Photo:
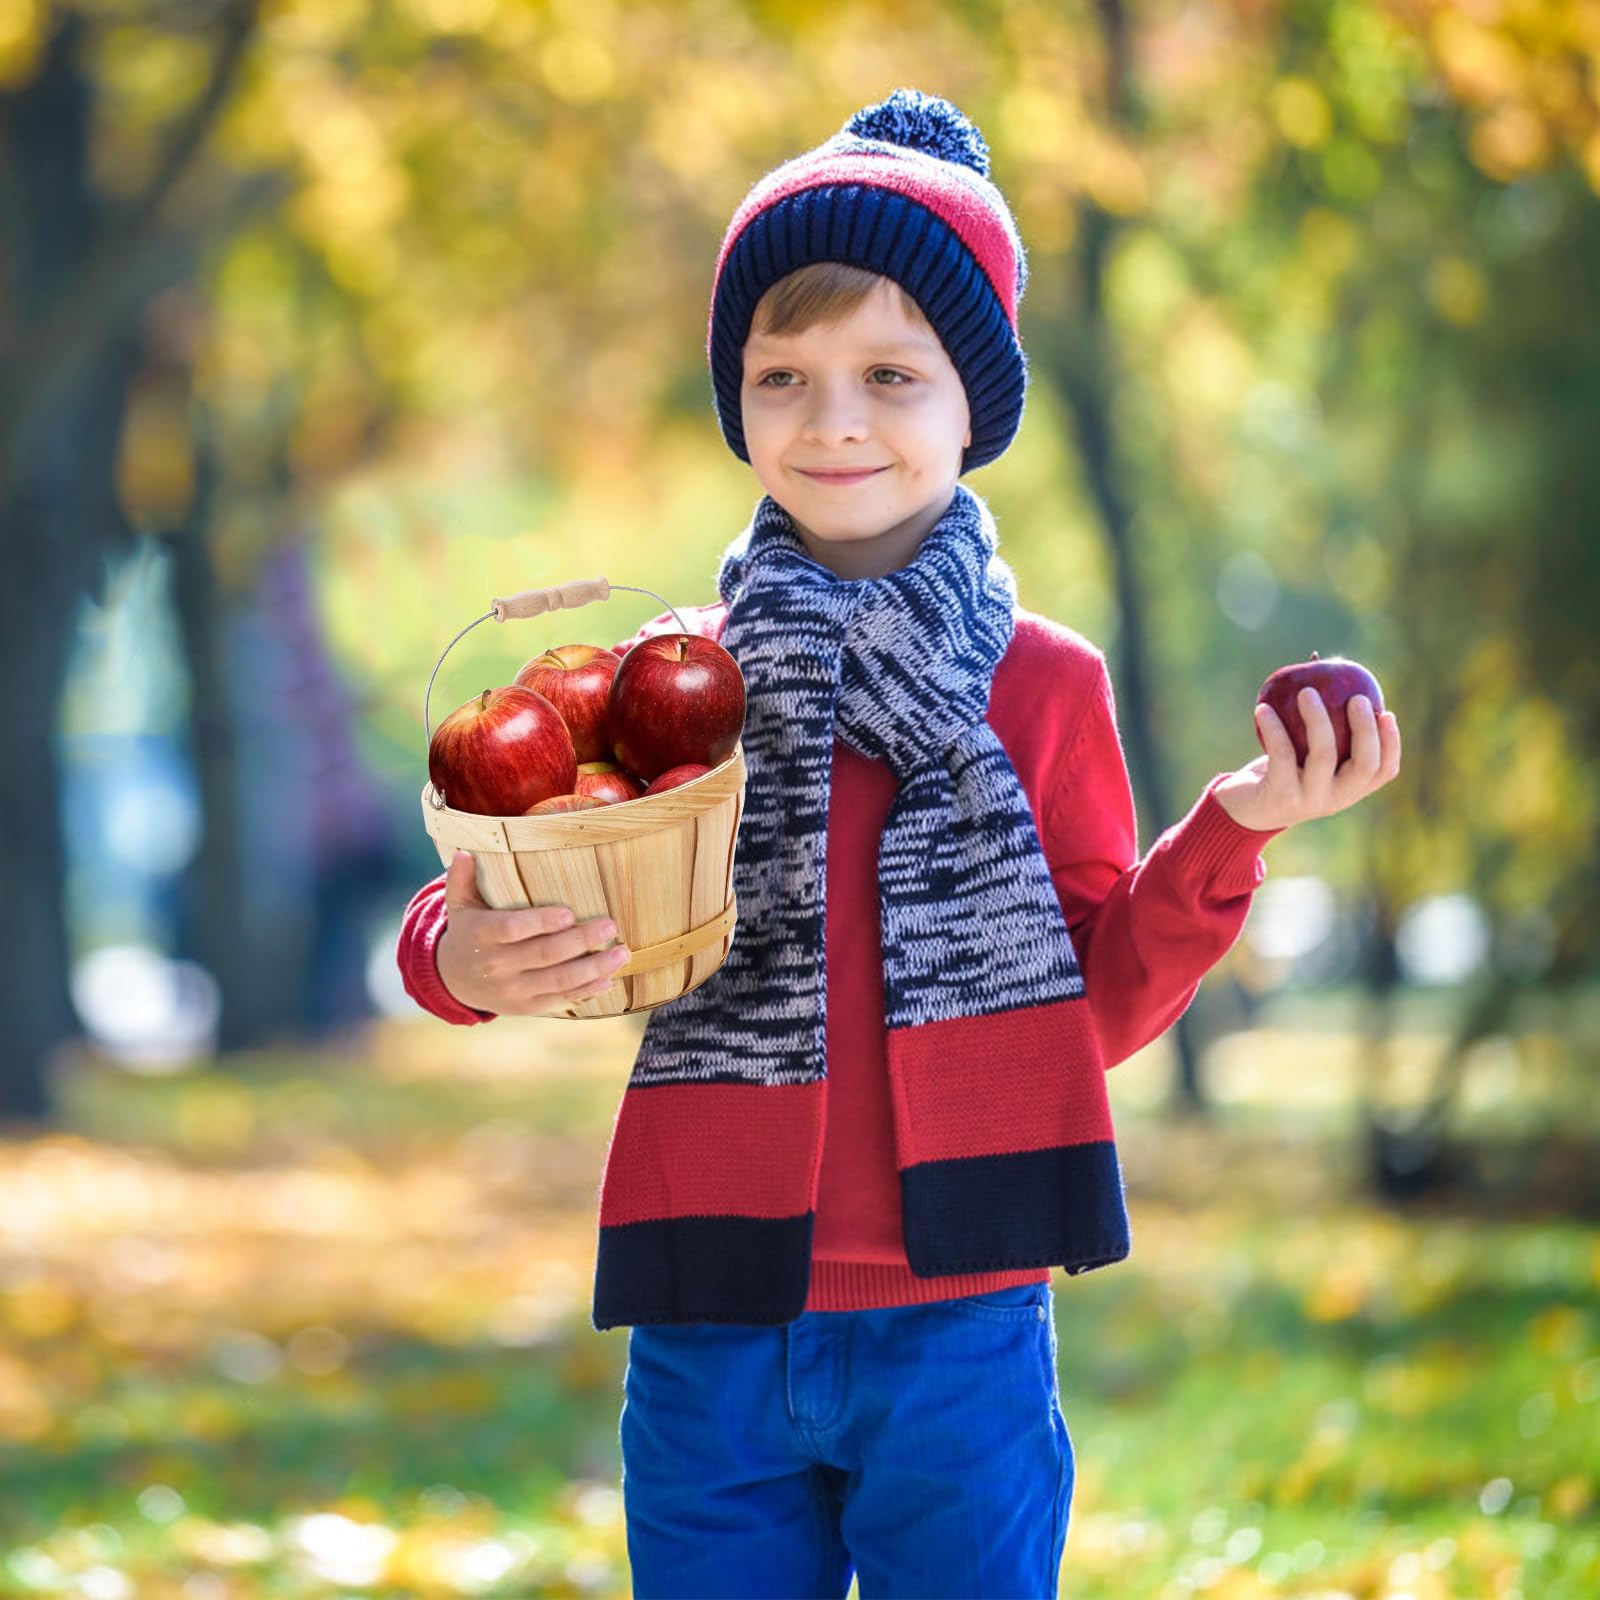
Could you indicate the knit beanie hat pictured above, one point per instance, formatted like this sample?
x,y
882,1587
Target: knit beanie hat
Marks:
x,y
902,189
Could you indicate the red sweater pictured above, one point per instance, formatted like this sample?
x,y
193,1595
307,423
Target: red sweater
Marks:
x,y
1145,932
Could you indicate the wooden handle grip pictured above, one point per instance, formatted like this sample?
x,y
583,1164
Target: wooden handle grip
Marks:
x,y
565,596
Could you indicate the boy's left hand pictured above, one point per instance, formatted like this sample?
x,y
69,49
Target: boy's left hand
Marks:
x,y
1275,791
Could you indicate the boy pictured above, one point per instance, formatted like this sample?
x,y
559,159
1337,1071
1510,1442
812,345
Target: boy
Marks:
x,y
846,1163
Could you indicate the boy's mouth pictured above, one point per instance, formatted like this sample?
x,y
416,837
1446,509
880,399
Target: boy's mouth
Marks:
x,y
841,477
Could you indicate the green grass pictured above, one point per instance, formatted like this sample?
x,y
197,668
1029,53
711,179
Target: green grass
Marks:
x,y
304,1327
1371,1385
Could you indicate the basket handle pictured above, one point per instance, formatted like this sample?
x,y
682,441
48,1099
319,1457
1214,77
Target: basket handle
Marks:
x,y
533,603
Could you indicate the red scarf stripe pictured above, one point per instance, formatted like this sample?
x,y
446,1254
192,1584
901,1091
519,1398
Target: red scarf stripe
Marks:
x,y
1028,1079
713,1149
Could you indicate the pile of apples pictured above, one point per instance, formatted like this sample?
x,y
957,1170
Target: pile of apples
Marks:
x,y
581,726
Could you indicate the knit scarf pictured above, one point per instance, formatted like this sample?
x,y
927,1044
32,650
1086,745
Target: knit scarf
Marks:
x,y
898,668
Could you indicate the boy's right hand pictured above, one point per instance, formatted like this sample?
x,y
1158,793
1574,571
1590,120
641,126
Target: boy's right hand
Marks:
x,y
529,962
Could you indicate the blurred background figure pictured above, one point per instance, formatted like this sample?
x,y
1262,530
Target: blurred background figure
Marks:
x,y
346,847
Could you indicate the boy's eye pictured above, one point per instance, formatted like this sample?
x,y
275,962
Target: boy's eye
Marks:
x,y
773,379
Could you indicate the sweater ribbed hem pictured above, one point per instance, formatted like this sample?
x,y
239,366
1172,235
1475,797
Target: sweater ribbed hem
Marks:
x,y
1223,855
869,1285
421,974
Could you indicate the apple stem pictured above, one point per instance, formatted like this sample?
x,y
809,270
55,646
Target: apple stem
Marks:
x,y
483,699
1315,656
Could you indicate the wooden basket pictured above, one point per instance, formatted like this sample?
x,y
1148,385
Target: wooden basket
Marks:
x,y
660,867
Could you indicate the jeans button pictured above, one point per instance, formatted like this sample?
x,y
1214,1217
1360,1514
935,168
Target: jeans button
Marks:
x,y
1041,1313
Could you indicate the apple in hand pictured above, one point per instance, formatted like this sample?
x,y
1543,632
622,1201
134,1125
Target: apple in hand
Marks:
x,y
673,776
1335,679
563,802
576,680
676,698
607,782
502,751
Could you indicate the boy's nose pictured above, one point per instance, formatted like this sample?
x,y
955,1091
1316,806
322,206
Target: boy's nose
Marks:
x,y
836,416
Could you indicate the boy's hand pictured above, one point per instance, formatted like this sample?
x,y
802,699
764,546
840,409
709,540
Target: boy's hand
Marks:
x,y
1274,791
529,962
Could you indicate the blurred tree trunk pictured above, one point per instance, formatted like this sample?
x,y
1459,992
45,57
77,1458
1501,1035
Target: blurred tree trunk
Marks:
x,y
1074,349
76,273
58,512
38,594
215,930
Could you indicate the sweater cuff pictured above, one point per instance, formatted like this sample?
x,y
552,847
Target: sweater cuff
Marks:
x,y
428,988
1222,854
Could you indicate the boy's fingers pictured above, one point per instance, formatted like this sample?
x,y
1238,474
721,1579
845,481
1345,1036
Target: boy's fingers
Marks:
x,y
461,882
1274,735
1365,740
513,927
566,976
1320,742
1389,738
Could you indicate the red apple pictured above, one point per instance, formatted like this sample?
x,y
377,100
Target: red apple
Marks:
x,y
576,680
503,751
1336,680
676,698
673,776
564,802
607,782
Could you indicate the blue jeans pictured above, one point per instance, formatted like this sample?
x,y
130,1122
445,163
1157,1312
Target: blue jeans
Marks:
x,y
921,1447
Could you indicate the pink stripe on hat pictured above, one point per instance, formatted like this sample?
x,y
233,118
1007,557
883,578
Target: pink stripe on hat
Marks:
x,y
951,193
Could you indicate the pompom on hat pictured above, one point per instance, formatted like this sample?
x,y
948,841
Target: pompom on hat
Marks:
x,y
903,190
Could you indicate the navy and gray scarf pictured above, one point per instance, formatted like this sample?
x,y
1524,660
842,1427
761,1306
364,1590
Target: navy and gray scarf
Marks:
x,y
898,668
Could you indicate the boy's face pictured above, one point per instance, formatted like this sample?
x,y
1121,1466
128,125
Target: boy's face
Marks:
x,y
874,391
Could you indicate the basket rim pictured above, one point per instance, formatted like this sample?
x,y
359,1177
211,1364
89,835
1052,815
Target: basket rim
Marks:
x,y
598,825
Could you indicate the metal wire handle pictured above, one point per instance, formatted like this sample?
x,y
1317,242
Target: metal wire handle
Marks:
x,y
532,603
